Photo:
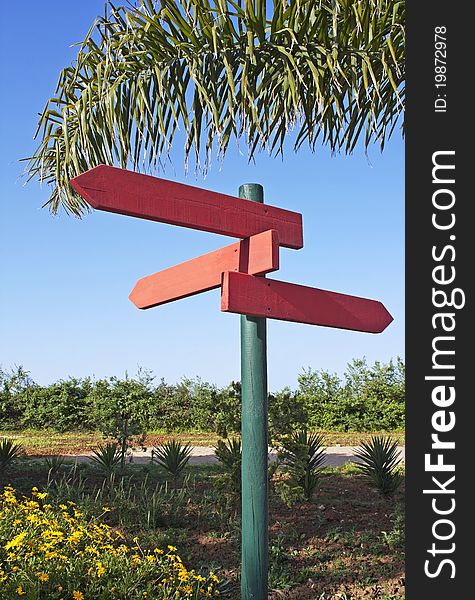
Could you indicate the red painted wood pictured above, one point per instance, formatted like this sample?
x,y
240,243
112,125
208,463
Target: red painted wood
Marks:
x,y
129,193
258,254
261,297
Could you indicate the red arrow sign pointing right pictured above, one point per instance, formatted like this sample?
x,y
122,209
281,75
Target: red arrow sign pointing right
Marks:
x,y
259,297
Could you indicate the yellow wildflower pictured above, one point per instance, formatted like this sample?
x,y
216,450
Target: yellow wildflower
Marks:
x,y
78,595
16,542
43,577
20,591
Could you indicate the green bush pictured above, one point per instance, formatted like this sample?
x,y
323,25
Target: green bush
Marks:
x,y
122,410
13,385
287,414
64,406
365,398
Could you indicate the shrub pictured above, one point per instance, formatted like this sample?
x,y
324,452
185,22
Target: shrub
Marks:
x,y
63,406
287,414
380,458
13,385
367,399
122,410
53,552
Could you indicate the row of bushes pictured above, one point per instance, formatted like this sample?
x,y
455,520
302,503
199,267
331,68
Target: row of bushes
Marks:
x,y
366,398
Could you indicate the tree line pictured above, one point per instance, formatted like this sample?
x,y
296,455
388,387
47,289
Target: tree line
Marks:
x,y
365,398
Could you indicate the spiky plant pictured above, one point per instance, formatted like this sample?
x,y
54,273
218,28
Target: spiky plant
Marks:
x,y
54,465
172,457
217,71
107,458
229,454
302,454
9,452
379,461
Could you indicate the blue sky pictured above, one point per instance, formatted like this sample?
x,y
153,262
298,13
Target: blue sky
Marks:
x,y
65,282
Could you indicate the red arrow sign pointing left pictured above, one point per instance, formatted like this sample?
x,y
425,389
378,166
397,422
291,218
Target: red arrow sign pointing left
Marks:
x,y
129,193
255,255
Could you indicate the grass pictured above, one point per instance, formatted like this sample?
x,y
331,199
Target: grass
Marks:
x,y
44,443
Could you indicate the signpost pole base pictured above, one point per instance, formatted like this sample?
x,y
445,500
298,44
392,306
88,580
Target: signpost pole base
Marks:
x,y
254,574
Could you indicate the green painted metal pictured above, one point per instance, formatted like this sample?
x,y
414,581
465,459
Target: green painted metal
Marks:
x,y
255,542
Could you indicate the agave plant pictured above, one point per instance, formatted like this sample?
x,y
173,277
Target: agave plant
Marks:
x,y
302,455
379,460
54,464
9,452
107,458
229,454
172,457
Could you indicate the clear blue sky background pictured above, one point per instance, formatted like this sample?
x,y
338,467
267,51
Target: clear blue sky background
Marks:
x,y
64,307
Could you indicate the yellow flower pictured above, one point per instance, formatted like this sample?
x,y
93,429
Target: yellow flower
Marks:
x,y
171,548
100,569
16,542
20,591
78,595
106,509
42,577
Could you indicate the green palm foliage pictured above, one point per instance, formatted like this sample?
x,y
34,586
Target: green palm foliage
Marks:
x,y
329,71
379,460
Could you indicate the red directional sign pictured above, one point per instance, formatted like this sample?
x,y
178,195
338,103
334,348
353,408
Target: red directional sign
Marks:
x,y
260,297
236,268
256,255
129,193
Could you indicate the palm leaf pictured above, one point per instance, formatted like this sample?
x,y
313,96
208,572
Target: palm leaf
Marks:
x,y
215,70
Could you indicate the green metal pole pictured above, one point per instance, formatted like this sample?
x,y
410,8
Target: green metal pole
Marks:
x,y
254,574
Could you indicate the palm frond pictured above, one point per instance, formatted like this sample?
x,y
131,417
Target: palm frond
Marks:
x,y
218,70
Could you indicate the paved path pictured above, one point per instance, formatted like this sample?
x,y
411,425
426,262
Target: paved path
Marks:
x,y
335,456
